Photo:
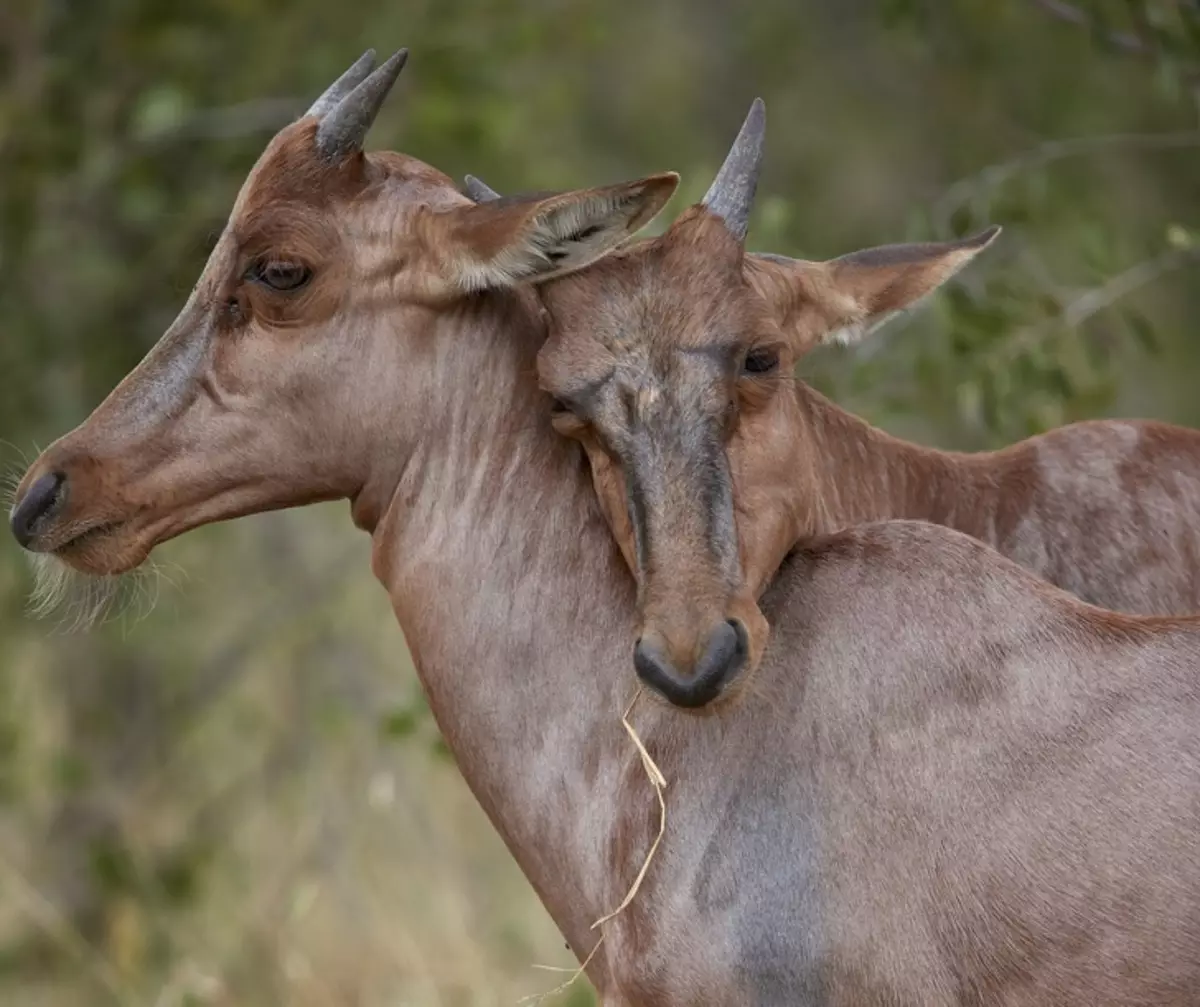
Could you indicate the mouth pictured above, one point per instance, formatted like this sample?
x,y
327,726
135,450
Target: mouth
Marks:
x,y
79,549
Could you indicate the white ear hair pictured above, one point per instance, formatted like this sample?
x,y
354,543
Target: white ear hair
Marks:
x,y
564,233
856,332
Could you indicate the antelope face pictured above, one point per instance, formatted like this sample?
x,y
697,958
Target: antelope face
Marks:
x,y
230,412
305,353
655,358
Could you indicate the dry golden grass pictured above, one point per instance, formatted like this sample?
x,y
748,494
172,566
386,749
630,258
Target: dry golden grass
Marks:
x,y
202,808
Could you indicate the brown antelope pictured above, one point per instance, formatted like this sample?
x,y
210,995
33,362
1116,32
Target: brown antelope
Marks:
x,y
360,331
356,334
1108,510
950,782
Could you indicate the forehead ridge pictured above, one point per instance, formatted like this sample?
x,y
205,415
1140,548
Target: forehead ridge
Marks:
x,y
287,169
291,170
660,297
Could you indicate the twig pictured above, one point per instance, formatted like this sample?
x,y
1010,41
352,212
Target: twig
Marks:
x,y
245,118
1100,298
973,187
659,782
1073,15
56,926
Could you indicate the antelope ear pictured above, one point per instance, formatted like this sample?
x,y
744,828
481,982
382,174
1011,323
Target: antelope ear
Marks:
x,y
515,240
846,298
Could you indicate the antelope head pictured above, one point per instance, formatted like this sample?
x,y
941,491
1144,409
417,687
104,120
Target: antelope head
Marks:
x,y
673,362
304,362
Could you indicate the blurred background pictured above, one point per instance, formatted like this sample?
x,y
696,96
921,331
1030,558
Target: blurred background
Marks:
x,y
230,793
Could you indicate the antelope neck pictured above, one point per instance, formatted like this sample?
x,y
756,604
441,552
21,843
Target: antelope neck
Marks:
x,y
516,607
863,474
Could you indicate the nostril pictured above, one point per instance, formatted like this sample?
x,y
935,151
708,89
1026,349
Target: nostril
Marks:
x,y
721,655
41,499
743,635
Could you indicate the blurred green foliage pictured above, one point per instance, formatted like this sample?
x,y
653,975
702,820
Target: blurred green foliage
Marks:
x,y
237,796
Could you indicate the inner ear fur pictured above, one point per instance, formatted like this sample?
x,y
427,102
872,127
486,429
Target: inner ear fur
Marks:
x,y
504,243
844,299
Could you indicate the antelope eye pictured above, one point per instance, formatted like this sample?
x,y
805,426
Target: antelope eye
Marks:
x,y
280,274
762,360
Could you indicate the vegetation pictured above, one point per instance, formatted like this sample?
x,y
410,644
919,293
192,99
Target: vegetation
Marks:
x,y
235,797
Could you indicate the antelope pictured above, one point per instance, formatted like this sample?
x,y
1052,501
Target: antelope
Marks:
x,y
949,781
364,331
1108,510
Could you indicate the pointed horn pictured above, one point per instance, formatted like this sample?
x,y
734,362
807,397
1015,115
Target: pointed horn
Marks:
x,y
479,190
345,126
731,196
346,83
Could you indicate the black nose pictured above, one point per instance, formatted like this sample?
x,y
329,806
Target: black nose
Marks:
x,y
38,503
723,657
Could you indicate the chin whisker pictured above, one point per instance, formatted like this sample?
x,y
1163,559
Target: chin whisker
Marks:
x,y
81,601
76,599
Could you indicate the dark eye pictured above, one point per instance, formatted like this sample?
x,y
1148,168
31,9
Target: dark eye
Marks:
x,y
761,361
279,274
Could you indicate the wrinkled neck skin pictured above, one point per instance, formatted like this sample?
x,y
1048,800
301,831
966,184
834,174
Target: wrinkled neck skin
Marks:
x,y
1108,510
514,602
862,474
811,469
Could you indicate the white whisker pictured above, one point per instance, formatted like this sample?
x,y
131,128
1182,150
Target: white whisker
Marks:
x,y
82,601
26,461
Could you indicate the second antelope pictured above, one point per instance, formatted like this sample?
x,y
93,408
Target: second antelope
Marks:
x,y
950,782
1108,510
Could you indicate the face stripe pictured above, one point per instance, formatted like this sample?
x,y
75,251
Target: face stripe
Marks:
x,y
668,476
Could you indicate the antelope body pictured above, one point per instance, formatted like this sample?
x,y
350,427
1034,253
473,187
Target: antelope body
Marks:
x,y
357,333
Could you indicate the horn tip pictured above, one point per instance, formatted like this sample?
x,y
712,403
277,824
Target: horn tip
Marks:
x,y
479,190
756,118
985,237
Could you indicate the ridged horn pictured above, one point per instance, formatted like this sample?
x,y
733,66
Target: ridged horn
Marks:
x,y
731,196
346,83
344,127
479,190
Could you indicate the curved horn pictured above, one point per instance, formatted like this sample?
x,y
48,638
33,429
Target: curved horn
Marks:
x,y
731,196
479,190
344,127
346,83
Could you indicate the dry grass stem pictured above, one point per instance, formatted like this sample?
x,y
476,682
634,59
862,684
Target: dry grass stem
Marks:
x,y
659,782
58,929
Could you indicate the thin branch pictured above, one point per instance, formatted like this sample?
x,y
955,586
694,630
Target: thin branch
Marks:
x,y
247,118
973,188
1121,40
59,929
1099,299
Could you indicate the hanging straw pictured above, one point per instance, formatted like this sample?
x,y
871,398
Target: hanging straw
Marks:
x,y
659,782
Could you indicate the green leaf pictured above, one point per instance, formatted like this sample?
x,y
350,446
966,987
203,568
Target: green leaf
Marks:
x,y
400,723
